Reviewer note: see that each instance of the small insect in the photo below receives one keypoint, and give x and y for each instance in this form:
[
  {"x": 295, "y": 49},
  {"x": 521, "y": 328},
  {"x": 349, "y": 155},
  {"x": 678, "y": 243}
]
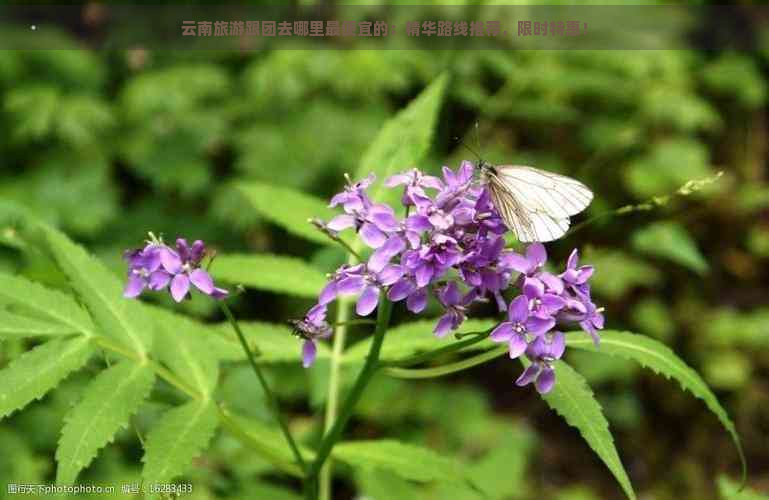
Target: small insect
[{"x": 534, "y": 204}]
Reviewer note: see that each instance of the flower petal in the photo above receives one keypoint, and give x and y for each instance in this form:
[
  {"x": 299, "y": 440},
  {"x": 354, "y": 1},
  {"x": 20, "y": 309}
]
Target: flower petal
[
  {"x": 529, "y": 375},
  {"x": 502, "y": 333},
  {"x": 372, "y": 235},
  {"x": 401, "y": 289},
  {"x": 202, "y": 280},
  {"x": 341, "y": 222},
  {"x": 444, "y": 325},
  {"x": 350, "y": 285},
  {"x": 545, "y": 381},
  {"x": 423, "y": 274},
  {"x": 309, "y": 351},
  {"x": 180, "y": 285},
  {"x": 328, "y": 293},
  {"x": 392, "y": 247},
  {"x": 538, "y": 326},
  {"x": 536, "y": 254},
  {"x": 390, "y": 274},
  {"x": 515, "y": 262},
  {"x": 573, "y": 261},
  {"x": 533, "y": 288},
  {"x": 170, "y": 260},
  {"x": 417, "y": 301},
  {"x": 159, "y": 280},
  {"x": 134, "y": 286},
  {"x": 367, "y": 301},
  {"x": 518, "y": 345},
  {"x": 518, "y": 310},
  {"x": 553, "y": 282}
]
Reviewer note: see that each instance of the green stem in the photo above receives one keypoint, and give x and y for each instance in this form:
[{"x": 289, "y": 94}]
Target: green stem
[
  {"x": 272, "y": 402},
  {"x": 352, "y": 322},
  {"x": 427, "y": 356},
  {"x": 364, "y": 377},
  {"x": 439, "y": 371}
]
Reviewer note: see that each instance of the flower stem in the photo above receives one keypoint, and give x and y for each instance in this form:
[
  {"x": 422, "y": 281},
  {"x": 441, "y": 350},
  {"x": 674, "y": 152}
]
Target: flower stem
[
  {"x": 354, "y": 322},
  {"x": 427, "y": 356},
  {"x": 272, "y": 402},
  {"x": 364, "y": 377},
  {"x": 439, "y": 371},
  {"x": 332, "y": 399}
]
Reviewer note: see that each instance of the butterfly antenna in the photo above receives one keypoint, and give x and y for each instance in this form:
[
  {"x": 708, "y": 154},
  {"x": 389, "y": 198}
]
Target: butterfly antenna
[
  {"x": 478, "y": 136},
  {"x": 468, "y": 147}
]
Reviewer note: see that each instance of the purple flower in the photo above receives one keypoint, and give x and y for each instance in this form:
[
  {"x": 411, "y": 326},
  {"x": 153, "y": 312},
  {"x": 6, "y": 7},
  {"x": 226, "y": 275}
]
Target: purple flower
[
  {"x": 144, "y": 270},
  {"x": 582, "y": 310},
  {"x": 576, "y": 275},
  {"x": 312, "y": 327},
  {"x": 452, "y": 240},
  {"x": 543, "y": 352},
  {"x": 415, "y": 182},
  {"x": 366, "y": 280},
  {"x": 451, "y": 299},
  {"x": 156, "y": 266},
  {"x": 520, "y": 327},
  {"x": 542, "y": 304}
]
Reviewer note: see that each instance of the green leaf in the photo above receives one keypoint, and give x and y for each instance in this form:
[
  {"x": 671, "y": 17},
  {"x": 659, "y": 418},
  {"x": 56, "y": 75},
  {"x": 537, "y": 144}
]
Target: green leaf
[
  {"x": 273, "y": 273},
  {"x": 405, "y": 460},
  {"x": 35, "y": 372},
  {"x": 573, "y": 399},
  {"x": 102, "y": 293},
  {"x": 669, "y": 240},
  {"x": 267, "y": 442},
  {"x": 288, "y": 208},
  {"x": 107, "y": 405},
  {"x": 404, "y": 140},
  {"x": 413, "y": 337},
  {"x": 731, "y": 490},
  {"x": 377, "y": 483},
  {"x": 178, "y": 437},
  {"x": 659, "y": 358},
  {"x": 15, "y": 326},
  {"x": 32, "y": 298},
  {"x": 181, "y": 346}
]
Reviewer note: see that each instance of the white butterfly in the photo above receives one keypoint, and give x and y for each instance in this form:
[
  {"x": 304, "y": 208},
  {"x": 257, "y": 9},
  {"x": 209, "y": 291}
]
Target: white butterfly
[{"x": 535, "y": 204}]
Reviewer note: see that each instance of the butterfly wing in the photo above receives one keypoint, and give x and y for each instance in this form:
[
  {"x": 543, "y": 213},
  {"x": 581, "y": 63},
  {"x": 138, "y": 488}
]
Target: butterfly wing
[{"x": 535, "y": 204}]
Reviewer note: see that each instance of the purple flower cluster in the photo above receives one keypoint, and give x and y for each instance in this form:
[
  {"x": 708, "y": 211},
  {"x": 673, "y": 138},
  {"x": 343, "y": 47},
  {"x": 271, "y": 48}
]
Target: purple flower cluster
[
  {"x": 157, "y": 266},
  {"x": 451, "y": 244}
]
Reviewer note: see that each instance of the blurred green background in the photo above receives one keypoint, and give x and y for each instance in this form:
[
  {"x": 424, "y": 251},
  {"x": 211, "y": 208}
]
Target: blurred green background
[{"x": 109, "y": 145}]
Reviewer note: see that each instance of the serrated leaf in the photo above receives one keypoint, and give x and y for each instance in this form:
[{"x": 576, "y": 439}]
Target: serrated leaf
[
  {"x": 273, "y": 273},
  {"x": 188, "y": 354},
  {"x": 275, "y": 343},
  {"x": 33, "y": 298},
  {"x": 16, "y": 326},
  {"x": 177, "y": 437},
  {"x": 288, "y": 208},
  {"x": 221, "y": 347},
  {"x": 659, "y": 358},
  {"x": 37, "y": 371},
  {"x": 573, "y": 399},
  {"x": 404, "y": 140},
  {"x": 102, "y": 293},
  {"x": 107, "y": 405},
  {"x": 413, "y": 337},
  {"x": 407, "y": 461},
  {"x": 269, "y": 443},
  {"x": 669, "y": 240}
]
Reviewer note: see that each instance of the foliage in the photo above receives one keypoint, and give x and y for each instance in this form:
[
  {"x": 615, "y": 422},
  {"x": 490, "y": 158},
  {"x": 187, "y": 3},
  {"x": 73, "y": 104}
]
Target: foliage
[{"x": 241, "y": 149}]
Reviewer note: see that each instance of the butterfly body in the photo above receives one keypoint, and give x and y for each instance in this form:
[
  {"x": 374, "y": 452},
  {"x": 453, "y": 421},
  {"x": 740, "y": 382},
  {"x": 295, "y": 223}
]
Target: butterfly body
[{"x": 535, "y": 204}]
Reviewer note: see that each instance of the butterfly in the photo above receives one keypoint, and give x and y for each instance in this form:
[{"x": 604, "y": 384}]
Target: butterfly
[{"x": 534, "y": 204}]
